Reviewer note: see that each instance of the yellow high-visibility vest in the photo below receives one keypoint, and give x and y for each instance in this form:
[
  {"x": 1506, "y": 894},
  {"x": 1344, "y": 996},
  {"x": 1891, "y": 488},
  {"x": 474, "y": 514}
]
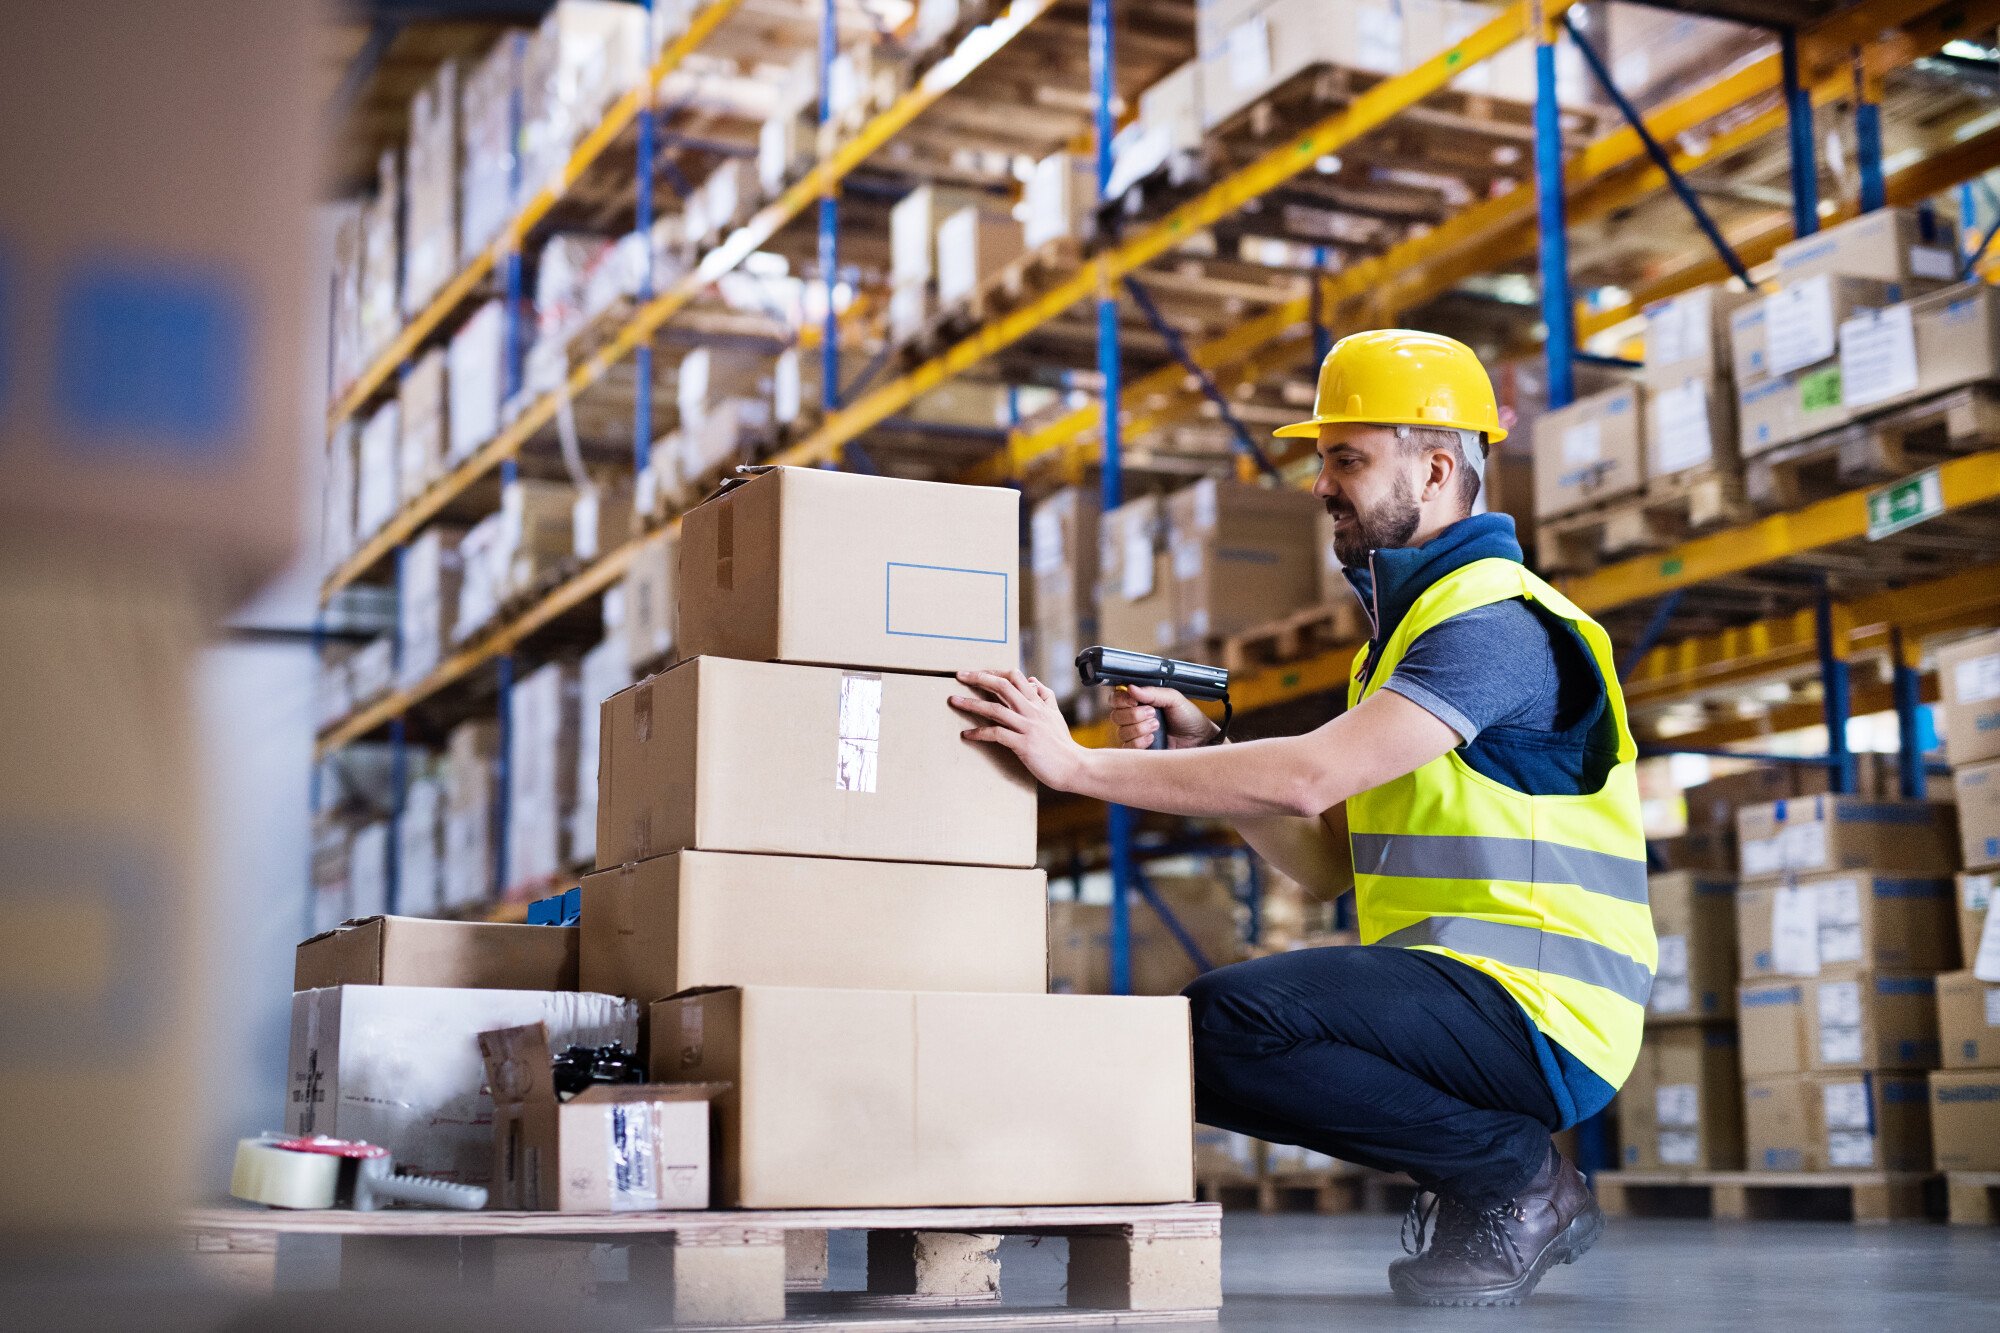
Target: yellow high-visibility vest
[{"x": 1545, "y": 894}]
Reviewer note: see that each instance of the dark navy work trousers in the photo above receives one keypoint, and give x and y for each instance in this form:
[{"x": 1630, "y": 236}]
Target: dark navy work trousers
[{"x": 1400, "y": 1059}]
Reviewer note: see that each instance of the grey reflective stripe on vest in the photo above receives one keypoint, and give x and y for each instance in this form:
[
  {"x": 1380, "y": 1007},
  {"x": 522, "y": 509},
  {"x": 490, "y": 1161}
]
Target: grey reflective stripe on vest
[
  {"x": 1521, "y": 860},
  {"x": 1532, "y": 950}
]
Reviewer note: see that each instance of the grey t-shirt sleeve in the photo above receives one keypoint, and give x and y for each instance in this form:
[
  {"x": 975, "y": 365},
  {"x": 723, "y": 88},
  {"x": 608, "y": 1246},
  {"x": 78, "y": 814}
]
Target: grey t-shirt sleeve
[{"x": 1485, "y": 667}]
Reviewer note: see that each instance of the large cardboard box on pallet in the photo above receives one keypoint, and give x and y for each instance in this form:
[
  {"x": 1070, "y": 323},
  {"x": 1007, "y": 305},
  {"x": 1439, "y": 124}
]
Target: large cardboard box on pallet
[
  {"x": 1592, "y": 450},
  {"x": 973, "y": 244},
  {"x": 1956, "y": 333},
  {"x": 1837, "y": 1122},
  {"x": 1252, "y": 49},
  {"x": 1815, "y": 834},
  {"x": 873, "y": 1098},
  {"x": 689, "y": 919},
  {"x": 1137, "y": 599},
  {"x": 1965, "y": 1119},
  {"x": 1872, "y": 1020},
  {"x": 399, "y": 1065},
  {"x": 1968, "y": 1021},
  {"x": 1977, "y": 787},
  {"x": 412, "y": 951},
  {"x": 1969, "y": 683},
  {"x": 861, "y": 764},
  {"x": 1683, "y": 1104},
  {"x": 1694, "y": 916},
  {"x": 800, "y": 565},
  {"x": 1690, "y": 400},
  {"x": 1241, "y": 556},
  {"x": 1910, "y": 247},
  {"x": 1859, "y": 919},
  {"x": 1785, "y": 351}
]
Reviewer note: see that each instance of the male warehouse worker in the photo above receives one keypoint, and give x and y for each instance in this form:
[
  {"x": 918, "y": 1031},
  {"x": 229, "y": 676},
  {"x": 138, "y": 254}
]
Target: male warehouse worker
[{"x": 1486, "y": 771}]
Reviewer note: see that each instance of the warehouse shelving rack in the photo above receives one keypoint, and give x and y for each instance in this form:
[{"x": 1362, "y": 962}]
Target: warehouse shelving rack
[{"x": 1803, "y": 628}]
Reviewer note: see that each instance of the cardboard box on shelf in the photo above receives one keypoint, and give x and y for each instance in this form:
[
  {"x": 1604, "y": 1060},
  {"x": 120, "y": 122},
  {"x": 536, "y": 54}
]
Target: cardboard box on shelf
[
  {"x": 1062, "y": 563},
  {"x": 1837, "y": 1122},
  {"x": 648, "y": 627},
  {"x": 1241, "y": 556},
  {"x": 1796, "y": 327},
  {"x": 471, "y": 798},
  {"x": 1859, "y": 920},
  {"x": 537, "y": 529},
  {"x": 1690, "y": 425},
  {"x": 382, "y": 257},
  {"x": 1816, "y": 834},
  {"x": 432, "y": 573},
  {"x": 1978, "y": 789},
  {"x": 1913, "y": 248},
  {"x": 863, "y": 764},
  {"x": 430, "y": 255},
  {"x": 419, "y": 835},
  {"x": 973, "y": 244},
  {"x": 368, "y": 869},
  {"x": 1965, "y": 1119},
  {"x": 1703, "y": 851},
  {"x": 1713, "y": 804},
  {"x": 800, "y": 565},
  {"x": 1683, "y": 1104},
  {"x": 934, "y": 1098},
  {"x": 629, "y": 1148},
  {"x": 1969, "y": 681},
  {"x": 1694, "y": 916},
  {"x": 1968, "y": 1021},
  {"x": 600, "y": 519},
  {"x": 412, "y": 951},
  {"x": 1957, "y": 337},
  {"x": 1059, "y": 196},
  {"x": 913, "y": 229},
  {"x": 713, "y": 373},
  {"x": 1271, "y": 42},
  {"x": 1591, "y": 450},
  {"x": 475, "y": 381},
  {"x": 399, "y": 1065},
  {"x": 1975, "y": 894},
  {"x": 542, "y": 740},
  {"x": 1874, "y": 1020},
  {"x": 692, "y": 919},
  {"x": 377, "y": 478},
  {"x": 486, "y": 196},
  {"x": 1136, "y": 592},
  {"x": 1688, "y": 335},
  {"x": 1791, "y": 407},
  {"x": 420, "y": 453},
  {"x": 603, "y": 672}
]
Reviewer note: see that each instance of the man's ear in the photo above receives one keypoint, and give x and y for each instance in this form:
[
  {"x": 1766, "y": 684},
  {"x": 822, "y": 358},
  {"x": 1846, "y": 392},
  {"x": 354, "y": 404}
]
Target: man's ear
[{"x": 1438, "y": 477}]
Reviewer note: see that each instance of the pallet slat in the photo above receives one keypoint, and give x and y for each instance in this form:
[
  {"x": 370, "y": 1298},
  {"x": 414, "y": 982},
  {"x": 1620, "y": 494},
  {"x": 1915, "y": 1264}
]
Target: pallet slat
[{"x": 1860, "y": 1196}]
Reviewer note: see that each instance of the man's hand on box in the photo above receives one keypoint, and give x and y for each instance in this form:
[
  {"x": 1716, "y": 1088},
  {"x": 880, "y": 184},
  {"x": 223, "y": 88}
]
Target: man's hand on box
[{"x": 1022, "y": 715}]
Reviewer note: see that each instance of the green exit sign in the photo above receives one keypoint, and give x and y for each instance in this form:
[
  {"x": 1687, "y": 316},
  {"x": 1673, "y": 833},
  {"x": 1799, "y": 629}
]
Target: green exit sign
[{"x": 1904, "y": 504}]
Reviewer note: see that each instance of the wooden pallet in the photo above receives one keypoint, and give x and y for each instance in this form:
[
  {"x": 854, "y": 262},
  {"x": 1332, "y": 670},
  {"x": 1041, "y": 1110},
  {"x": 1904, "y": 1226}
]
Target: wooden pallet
[
  {"x": 1343, "y": 1190},
  {"x": 927, "y": 1267},
  {"x": 1304, "y": 634},
  {"x": 1670, "y": 510},
  {"x": 1972, "y": 1198},
  {"x": 1857, "y": 1196},
  {"x": 1878, "y": 448}
]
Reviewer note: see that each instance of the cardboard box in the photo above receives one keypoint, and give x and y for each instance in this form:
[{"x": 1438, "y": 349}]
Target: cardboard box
[
  {"x": 861, "y": 764},
  {"x": 399, "y": 1065},
  {"x": 541, "y": 792},
  {"x": 648, "y": 625},
  {"x": 694, "y": 919},
  {"x": 800, "y": 565},
  {"x": 419, "y": 835},
  {"x": 1242, "y": 556},
  {"x": 1968, "y": 1021},
  {"x": 412, "y": 951},
  {"x": 1136, "y": 591},
  {"x": 1059, "y": 196},
  {"x": 1682, "y": 1106},
  {"x": 632, "y": 1148},
  {"x": 1883, "y": 1020},
  {"x": 420, "y": 454},
  {"x": 1978, "y": 789},
  {"x": 1820, "y": 1122},
  {"x": 913, "y": 229},
  {"x": 1688, "y": 335},
  {"x": 862, "y": 1098},
  {"x": 1910, "y": 247},
  {"x": 1969, "y": 680},
  {"x": 430, "y": 252},
  {"x": 1271, "y": 42},
  {"x": 1591, "y": 450},
  {"x": 1690, "y": 424},
  {"x": 1975, "y": 894},
  {"x": 1063, "y": 547},
  {"x": 1707, "y": 851},
  {"x": 475, "y": 380},
  {"x": 973, "y": 244},
  {"x": 433, "y": 573},
  {"x": 1956, "y": 333},
  {"x": 603, "y": 672},
  {"x": 1694, "y": 916},
  {"x": 1965, "y": 1119},
  {"x": 1846, "y": 921},
  {"x": 1791, "y": 407},
  {"x": 1825, "y": 833},
  {"x": 1797, "y": 327}
]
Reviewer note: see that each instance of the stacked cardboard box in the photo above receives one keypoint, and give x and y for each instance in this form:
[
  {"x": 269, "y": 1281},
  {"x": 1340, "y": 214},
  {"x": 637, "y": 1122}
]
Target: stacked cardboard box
[
  {"x": 913, "y": 253},
  {"x": 1249, "y": 47},
  {"x": 1062, "y": 569},
  {"x": 420, "y": 841},
  {"x": 1965, "y": 1094},
  {"x": 486, "y": 196},
  {"x": 973, "y": 244},
  {"x": 1690, "y": 393},
  {"x": 828, "y": 896},
  {"x": 585, "y": 54},
  {"x": 337, "y": 537},
  {"x": 377, "y": 478},
  {"x": 347, "y": 218},
  {"x": 542, "y": 768},
  {"x": 1591, "y": 451},
  {"x": 1845, "y": 918},
  {"x": 604, "y": 670},
  {"x": 420, "y": 454},
  {"x": 431, "y": 241},
  {"x": 427, "y": 602},
  {"x": 1058, "y": 198},
  {"x": 381, "y": 310},
  {"x": 1136, "y": 605},
  {"x": 471, "y": 805},
  {"x": 475, "y": 381},
  {"x": 1969, "y": 675}
]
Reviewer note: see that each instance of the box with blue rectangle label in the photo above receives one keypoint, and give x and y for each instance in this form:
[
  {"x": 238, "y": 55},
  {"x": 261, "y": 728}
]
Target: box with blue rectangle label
[
  {"x": 1978, "y": 789},
  {"x": 831, "y": 568},
  {"x": 1837, "y": 1122}
]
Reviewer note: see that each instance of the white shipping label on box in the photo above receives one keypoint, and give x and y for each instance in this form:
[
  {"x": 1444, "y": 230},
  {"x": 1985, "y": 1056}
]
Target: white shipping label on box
[
  {"x": 1680, "y": 1147},
  {"x": 1187, "y": 560},
  {"x": 860, "y": 731},
  {"x": 1045, "y": 541},
  {"x": 1673, "y": 956},
  {"x": 1247, "y": 48},
  {"x": 1977, "y": 680},
  {"x": 1681, "y": 437},
  {"x": 1378, "y": 43},
  {"x": 1845, "y": 1105},
  {"x": 1934, "y": 262},
  {"x": 1676, "y": 330},
  {"x": 1798, "y": 325},
  {"x": 1671, "y": 995},
  {"x": 1583, "y": 443},
  {"x": 1840, "y": 1022},
  {"x": 1136, "y": 579},
  {"x": 1993, "y": 1006},
  {"x": 1850, "y": 1148},
  {"x": 1838, "y": 903},
  {"x": 1986, "y": 966},
  {"x": 1795, "y": 932},
  {"x": 1677, "y": 1105},
  {"x": 1878, "y": 356}
]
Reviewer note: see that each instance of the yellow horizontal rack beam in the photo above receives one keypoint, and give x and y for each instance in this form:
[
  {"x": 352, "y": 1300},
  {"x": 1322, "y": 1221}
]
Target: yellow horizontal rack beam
[
  {"x": 518, "y": 228},
  {"x": 979, "y": 46}
]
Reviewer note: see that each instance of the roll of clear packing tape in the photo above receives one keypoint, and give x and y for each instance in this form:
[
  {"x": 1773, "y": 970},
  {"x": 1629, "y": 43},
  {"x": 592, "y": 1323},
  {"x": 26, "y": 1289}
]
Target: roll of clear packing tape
[{"x": 266, "y": 1173}]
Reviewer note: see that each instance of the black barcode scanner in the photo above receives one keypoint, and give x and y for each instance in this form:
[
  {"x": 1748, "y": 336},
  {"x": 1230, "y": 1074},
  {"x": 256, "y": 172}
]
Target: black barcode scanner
[{"x": 1197, "y": 680}]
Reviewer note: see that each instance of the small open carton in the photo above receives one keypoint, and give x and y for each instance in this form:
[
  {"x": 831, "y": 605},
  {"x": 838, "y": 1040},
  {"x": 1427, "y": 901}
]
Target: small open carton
[{"x": 609, "y": 1149}]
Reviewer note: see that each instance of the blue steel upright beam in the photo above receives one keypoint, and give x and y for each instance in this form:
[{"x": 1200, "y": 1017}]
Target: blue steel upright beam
[
  {"x": 642, "y": 223},
  {"x": 1906, "y": 686},
  {"x": 1558, "y": 311},
  {"x": 1836, "y": 696},
  {"x": 1799, "y": 123},
  {"x": 829, "y": 220},
  {"x": 1122, "y": 823},
  {"x": 1868, "y": 139}
]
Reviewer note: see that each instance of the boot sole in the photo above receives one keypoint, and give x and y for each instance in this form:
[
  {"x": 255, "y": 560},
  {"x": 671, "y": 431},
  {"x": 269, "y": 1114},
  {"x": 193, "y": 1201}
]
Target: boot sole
[{"x": 1570, "y": 1245}]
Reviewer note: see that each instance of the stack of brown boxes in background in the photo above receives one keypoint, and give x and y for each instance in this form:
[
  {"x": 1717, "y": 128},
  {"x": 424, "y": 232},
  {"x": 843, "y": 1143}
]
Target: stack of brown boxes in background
[
  {"x": 1062, "y": 588},
  {"x": 1844, "y": 920},
  {"x": 1965, "y": 1094},
  {"x": 827, "y": 896}
]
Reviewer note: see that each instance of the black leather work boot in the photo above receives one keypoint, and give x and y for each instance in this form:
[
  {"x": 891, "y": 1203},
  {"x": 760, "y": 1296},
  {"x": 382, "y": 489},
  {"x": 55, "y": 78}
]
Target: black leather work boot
[{"x": 1495, "y": 1256}]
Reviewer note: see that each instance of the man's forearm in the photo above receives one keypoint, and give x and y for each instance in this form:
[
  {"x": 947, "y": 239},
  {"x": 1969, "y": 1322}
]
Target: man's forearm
[
  {"x": 1305, "y": 850},
  {"x": 1256, "y": 778}
]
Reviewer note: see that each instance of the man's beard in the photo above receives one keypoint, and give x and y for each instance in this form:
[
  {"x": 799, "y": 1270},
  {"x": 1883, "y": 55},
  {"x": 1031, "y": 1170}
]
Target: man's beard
[{"x": 1391, "y": 523}]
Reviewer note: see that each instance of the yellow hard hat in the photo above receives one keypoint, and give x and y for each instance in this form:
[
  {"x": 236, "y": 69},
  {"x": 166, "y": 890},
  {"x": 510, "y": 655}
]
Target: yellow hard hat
[{"x": 1400, "y": 377}]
